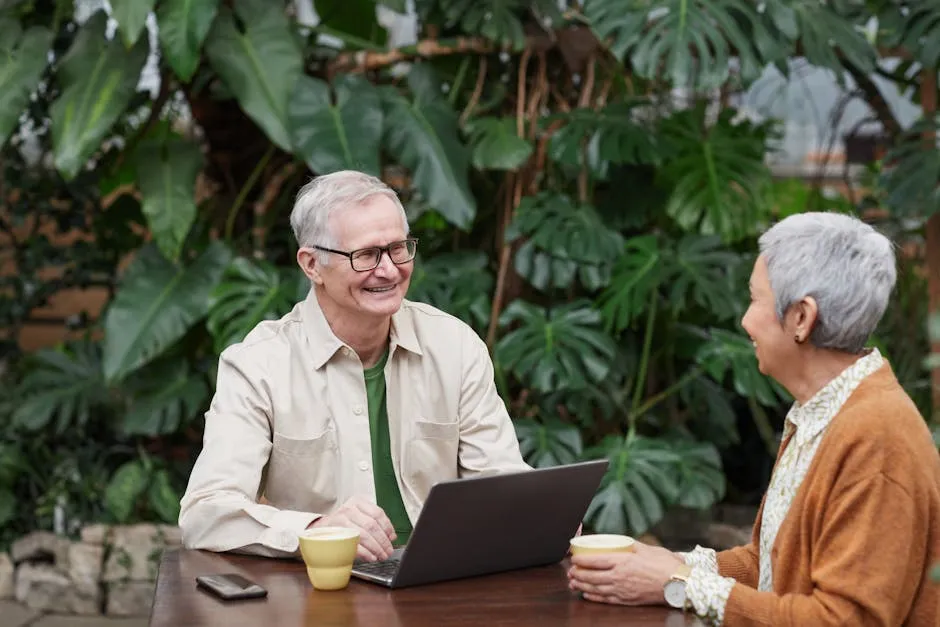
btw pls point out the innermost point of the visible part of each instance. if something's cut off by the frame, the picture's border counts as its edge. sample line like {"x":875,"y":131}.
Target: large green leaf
{"x":700,"y":271}
{"x":564,"y":239}
{"x":184,"y":25}
{"x":155,"y":305}
{"x":551,"y":443}
{"x":497,"y":20}
{"x":825,"y":32}
{"x":554,"y":349}
{"x":166,"y":174}
{"x":62,"y":384}
{"x":163,"y":498}
{"x":341,"y":136}
{"x":690,"y":41}
{"x":163,"y":397}
{"x":23,"y":57}
{"x":637,"y":276}
{"x":912,"y":170}
{"x":699,"y":475}
{"x":496,"y":146}
{"x":126,"y":486}
{"x":260,"y":61}
{"x":251,"y":291}
{"x":640,"y":483}
{"x":352,"y":17}
{"x":913,"y":25}
{"x":98,"y":79}
{"x":458,"y":283}
{"x":422,"y":136}
{"x":732,"y":351}
{"x":131,"y":16}
{"x":717,"y":174}
{"x":8,"y":504}
{"x":712,"y":418}
{"x":613,"y":135}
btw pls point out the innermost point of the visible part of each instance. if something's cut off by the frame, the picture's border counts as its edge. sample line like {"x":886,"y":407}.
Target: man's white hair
{"x":847,"y":266}
{"x":319,"y":199}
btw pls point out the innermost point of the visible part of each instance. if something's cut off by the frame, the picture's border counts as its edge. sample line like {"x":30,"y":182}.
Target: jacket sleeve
{"x":742,"y":563}
{"x":220,"y":509}
{"x":862,"y":569}
{"x":488,"y":442}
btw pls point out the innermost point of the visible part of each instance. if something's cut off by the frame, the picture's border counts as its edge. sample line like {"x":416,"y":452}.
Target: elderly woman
{"x":850,"y":525}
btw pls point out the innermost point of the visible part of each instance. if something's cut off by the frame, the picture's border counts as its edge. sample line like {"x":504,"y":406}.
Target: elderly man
{"x":850,"y":524}
{"x":349,"y":408}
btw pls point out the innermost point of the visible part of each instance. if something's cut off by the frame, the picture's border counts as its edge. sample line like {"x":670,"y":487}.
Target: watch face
{"x":674,"y":591}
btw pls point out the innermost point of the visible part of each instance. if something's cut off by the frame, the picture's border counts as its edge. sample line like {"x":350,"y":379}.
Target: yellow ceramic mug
{"x":329,"y":553}
{"x":601,"y":543}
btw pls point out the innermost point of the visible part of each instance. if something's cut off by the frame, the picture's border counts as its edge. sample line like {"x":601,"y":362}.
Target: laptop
{"x":491,"y":524}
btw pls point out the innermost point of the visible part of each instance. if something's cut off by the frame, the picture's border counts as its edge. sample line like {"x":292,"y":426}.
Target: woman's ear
{"x":806,"y":313}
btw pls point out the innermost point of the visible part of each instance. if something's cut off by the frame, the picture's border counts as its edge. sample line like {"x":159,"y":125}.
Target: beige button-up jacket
{"x":289,"y":422}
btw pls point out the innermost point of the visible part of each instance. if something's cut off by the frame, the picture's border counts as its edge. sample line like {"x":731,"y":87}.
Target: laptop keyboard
{"x":385,"y":568}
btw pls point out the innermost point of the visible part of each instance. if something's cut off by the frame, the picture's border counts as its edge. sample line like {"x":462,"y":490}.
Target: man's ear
{"x":309,"y":262}
{"x":806,"y":313}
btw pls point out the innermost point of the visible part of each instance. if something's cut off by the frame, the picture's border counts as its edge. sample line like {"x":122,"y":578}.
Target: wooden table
{"x":533,"y":596}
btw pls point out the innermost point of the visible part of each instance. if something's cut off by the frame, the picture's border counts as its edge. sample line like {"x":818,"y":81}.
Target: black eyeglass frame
{"x":386,"y":250}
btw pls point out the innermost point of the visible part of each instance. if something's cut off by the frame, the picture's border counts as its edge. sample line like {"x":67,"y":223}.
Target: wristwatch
{"x":674,"y":589}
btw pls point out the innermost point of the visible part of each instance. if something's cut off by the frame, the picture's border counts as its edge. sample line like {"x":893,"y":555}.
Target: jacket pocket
{"x":431,"y":455}
{"x":302,"y":473}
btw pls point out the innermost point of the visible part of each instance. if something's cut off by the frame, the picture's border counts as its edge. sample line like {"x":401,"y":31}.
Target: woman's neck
{"x":816,"y":370}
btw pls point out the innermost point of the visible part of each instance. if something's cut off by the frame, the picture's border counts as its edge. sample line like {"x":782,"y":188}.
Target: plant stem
{"x":346,"y":38}
{"x":243,"y":192}
{"x":644,"y":358}
{"x":672,"y":389}
{"x":458,"y":81}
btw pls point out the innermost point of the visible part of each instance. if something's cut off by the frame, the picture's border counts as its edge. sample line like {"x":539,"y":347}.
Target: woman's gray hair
{"x":324,"y":195}
{"x":847,"y":266}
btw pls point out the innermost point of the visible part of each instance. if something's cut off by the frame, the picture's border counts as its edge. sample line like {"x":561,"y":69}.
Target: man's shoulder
{"x":268,"y":338}
{"x":435,"y":327}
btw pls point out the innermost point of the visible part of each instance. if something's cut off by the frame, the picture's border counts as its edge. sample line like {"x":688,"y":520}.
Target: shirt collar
{"x":810,"y":419}
{"x":324,"y":344}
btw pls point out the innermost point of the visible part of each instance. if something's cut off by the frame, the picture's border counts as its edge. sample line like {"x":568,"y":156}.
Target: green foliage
{"x":496,"y":146}
{"x":548,"y":444}
{"x":732,"y":352}
{"x":184,"y":25}
{"x":912,"y":171}
{"x":131,"y":16}
{"x":913,"y":25}
{"x":458,"y":283}
{"x":22,"y":61}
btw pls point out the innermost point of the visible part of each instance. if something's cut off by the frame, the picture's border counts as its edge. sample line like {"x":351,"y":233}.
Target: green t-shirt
{"x":386,"y":486}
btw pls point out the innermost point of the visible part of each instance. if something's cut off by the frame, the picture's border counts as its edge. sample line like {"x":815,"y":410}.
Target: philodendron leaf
{"x":125,"y":487}
{"x":732,"y":351}
{"x":258,"y":58}
{"x":131,"y":15}
{"x":184,"y":25}
{"x":341,"y":136}
{"x":166,"y":174}
{"x":164,"y":396}
{"x":156,"y":304}
{"x":23,"y":57}
{"x":496,"y":146}
{"x":422,"y":135}
{"x":551,"y":443}
{"x":98,"y":79}
{"x":164,"y":500}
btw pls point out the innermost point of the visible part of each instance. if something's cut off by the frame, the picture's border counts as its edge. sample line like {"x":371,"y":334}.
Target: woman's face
{"x":774,"y":344}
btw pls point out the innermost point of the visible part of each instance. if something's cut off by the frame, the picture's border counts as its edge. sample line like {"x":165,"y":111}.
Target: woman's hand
{"x":635,"y":578}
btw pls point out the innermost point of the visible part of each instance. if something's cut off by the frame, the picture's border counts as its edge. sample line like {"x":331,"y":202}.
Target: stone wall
{"x":111,"y":570}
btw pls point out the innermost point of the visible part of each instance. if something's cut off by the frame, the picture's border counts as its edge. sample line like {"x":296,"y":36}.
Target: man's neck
{"x":366,"y":335}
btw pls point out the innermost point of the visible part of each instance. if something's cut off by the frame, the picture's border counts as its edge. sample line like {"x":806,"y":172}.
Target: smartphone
{"x":230,"y":587}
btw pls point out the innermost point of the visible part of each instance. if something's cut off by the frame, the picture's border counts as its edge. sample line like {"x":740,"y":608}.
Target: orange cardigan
{"x":863,"y":530}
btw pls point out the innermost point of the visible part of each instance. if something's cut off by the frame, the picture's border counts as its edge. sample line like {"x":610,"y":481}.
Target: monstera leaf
{"x":23,"y":57}
{"x":422,"y":136}
{"x":156,"y":304}
{"x":825,"y":31}
{"x":551,"y":443}
{"x":251,"y":291}
{"x":637,"y":276}
{"x":496,"y":146}
{"x":732,"y":351}
{"x":638,"y":486}
{"x":163,"y":397}
{"x":561,"y":347}
{"x":913,"y":25}
{"x":166,"y":174}
{"x":691,"y":41}
{"x":563,"y":239}
{"x":458,"y":283}
{"x":260,"y":62}
{"x":912,"y":169}
{"x":700,"y":268}
{"x":98,"y":79}
{"x":131,"y":15}
{"x":341,"y":136}
{"x":614,"y":135}
{"x":497,"y":20}
{"x":718,"y":176}
{"x":714,"y":418}
{"x":700,"y":478}
{"x":65,"y":385}
{"x":184,"y":25}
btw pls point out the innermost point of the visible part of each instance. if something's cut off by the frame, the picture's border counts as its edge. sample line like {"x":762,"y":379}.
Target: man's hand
{"x":375,"y":529}
{"x":635,"y":578}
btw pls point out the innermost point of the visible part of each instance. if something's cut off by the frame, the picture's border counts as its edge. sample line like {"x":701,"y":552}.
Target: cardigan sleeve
{"x":861,"y":566}
{"x":742,"y":563}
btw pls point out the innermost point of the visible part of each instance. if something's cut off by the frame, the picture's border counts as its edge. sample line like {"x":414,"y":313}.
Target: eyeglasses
{"x":365,"y":259}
